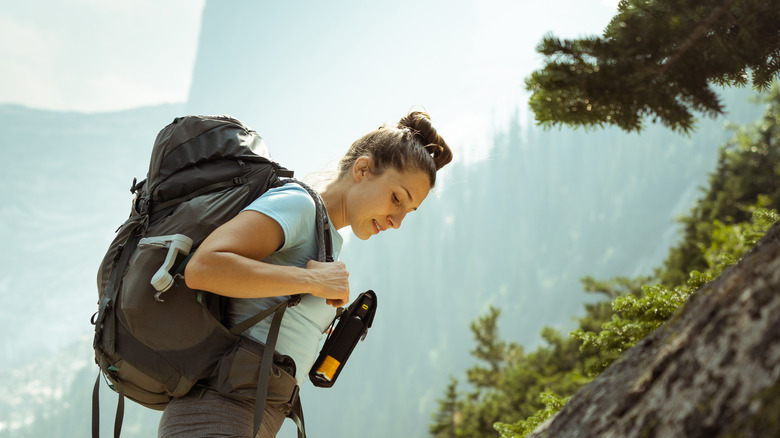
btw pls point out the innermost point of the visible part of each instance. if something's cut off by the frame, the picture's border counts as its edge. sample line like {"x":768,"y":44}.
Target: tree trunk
{"x":712,"y":370}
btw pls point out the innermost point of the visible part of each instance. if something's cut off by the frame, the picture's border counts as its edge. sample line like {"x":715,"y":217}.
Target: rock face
{"x":713,"y":370}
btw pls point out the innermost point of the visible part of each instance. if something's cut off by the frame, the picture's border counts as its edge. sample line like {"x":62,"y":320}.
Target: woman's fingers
{"x":332,"y":281}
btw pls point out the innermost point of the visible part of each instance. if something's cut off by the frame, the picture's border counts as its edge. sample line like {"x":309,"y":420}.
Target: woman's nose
{"x":396,"y":219}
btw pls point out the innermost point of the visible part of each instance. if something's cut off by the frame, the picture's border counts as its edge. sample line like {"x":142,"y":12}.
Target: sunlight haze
{"x":470,"y":63}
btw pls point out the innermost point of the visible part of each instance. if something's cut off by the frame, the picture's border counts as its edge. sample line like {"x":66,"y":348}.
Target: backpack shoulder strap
{"x":325,"y":254}
{"x":323,"y":224}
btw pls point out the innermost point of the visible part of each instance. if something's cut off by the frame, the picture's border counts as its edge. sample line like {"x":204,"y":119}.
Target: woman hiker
{"x":268,"y":251}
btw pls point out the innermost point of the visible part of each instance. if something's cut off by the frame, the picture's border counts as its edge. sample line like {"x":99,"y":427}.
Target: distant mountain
{"x":65,"y":180}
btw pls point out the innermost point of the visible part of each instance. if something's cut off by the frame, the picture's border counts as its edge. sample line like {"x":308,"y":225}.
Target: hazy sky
{"x":94,"y":55}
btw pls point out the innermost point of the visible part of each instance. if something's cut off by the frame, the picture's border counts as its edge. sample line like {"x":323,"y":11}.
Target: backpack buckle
{"x":142,"y":205}
{"x":294,"y":300}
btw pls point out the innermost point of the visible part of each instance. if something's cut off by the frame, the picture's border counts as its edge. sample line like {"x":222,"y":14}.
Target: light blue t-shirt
{"x":302,"y":326}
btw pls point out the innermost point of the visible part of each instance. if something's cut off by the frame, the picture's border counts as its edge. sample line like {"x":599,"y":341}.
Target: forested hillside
{"x":512,"y":390}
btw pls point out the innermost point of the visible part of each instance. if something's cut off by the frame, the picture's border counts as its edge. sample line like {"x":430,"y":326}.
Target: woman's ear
{"x":362,"y":168}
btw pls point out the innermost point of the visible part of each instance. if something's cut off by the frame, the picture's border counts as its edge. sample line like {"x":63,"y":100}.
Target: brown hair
{"x":413,"y":145}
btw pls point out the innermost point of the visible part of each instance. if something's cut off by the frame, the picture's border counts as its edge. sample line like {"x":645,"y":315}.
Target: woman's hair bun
{"x":419,"y":122}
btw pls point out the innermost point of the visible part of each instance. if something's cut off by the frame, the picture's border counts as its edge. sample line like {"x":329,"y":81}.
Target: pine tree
{"x":446,"y":419}
{"x":657,"y":59}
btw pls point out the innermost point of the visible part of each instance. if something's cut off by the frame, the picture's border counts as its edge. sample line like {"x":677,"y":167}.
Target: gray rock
{"x":712,"y":370}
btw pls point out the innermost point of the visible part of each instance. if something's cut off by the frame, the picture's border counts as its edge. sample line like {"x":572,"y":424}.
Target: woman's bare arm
{"x":229,"y":262}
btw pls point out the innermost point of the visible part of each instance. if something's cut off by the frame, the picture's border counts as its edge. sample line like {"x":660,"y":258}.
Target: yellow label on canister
{"x":328,"y":368}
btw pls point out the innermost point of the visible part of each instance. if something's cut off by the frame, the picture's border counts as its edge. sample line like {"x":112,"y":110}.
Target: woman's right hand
{"x":332,"y":282}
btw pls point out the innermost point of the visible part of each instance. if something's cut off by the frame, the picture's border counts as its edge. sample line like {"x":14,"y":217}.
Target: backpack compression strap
{"x":120,"y":409}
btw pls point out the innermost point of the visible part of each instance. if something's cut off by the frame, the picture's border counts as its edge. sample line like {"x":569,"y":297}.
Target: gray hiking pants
{"x":214,"y":415}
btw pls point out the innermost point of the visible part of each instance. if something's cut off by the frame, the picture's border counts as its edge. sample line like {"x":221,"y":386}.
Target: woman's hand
{"x":332,"y":281}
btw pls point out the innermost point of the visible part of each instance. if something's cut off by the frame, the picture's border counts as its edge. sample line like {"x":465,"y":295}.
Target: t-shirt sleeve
{"x":293,"y":209}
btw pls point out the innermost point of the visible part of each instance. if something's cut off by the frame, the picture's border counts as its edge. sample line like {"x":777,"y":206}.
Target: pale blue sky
{"x":95,"y":56}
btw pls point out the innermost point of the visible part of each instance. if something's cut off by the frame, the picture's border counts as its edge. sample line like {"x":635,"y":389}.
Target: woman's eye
{"x":395,"y":199}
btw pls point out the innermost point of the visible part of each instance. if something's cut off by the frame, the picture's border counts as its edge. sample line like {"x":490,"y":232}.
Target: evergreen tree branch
{"x":696,"y":34}
{"x":657,"y":59}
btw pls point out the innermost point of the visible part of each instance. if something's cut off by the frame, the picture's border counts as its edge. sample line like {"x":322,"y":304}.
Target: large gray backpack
{"x":154,"y":337}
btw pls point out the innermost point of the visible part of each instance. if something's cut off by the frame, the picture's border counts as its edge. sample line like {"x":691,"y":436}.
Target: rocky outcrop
{"x":712,"y":370}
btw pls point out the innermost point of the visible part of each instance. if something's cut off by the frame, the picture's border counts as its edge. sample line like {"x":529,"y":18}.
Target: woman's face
{"x":377,"y":203}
